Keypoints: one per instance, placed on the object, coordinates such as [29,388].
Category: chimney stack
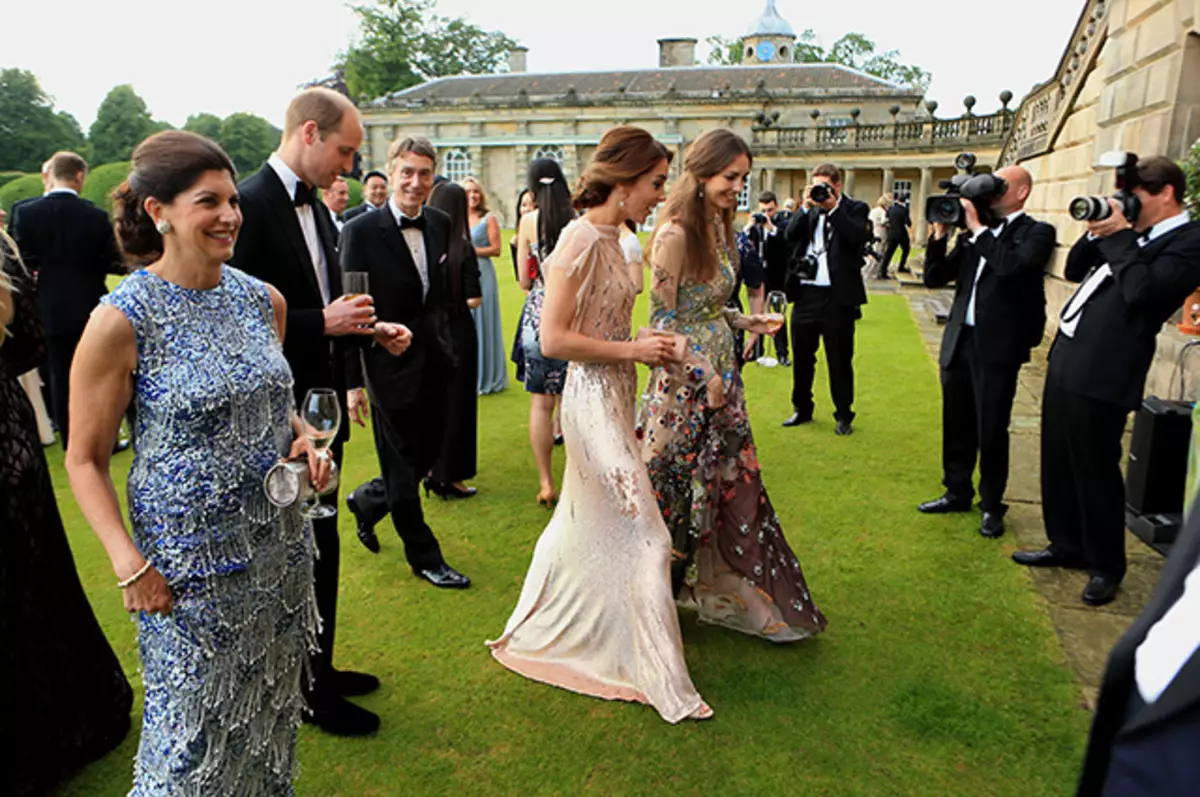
[676,52]
[516,59]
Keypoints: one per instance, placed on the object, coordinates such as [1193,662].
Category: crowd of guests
[238,306]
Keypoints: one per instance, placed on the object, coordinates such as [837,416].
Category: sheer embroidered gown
[596,614]
[741,572]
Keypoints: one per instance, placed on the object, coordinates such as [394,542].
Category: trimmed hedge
[8,177]
[102,181]
[23,187]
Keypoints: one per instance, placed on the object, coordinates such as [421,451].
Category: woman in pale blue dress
[492,375]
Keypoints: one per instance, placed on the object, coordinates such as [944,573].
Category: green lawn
[940,673]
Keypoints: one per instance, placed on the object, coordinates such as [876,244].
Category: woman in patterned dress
[736,568]
[220,579]
[596,615]
[536,239]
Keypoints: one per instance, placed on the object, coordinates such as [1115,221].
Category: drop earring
[163,226]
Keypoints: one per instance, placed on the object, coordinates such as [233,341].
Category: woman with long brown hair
[596,614]
[736,568]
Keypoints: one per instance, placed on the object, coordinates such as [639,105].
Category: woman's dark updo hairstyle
[164,165]
[451,199]
[553,198]
[624,155]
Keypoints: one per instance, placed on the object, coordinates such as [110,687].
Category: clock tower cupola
[770,40]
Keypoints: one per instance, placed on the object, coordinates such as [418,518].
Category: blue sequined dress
[222,672]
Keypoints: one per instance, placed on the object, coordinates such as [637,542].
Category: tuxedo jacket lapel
[285,215]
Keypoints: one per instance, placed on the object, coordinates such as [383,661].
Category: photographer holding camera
[998,316]
[765,232]
[824,283]
[1138,262]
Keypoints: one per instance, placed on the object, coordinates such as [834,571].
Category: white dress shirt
[308,224]
[416,245]
[819,246]
[996,232]
[1073,310]
[70,191]
[336,221]
[1170,643]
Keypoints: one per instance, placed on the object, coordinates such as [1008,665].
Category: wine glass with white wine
[321,416]
[776,310]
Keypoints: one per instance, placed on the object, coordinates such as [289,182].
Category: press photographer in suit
[824,283]
[765,232]
[1138,264]
[998,316]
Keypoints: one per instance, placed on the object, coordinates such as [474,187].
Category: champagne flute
[321,416]
[776,307]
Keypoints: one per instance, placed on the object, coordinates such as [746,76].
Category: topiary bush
[1191,167]
[8,177]
[102,181]
[355,192]
[23,187]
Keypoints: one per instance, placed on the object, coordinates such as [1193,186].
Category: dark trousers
[325,585]
[816,319]
[892,244]
[977,401]
[1083,492]
[408,444]
[60,351]
[1159,761]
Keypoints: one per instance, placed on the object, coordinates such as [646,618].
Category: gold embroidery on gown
[596,614]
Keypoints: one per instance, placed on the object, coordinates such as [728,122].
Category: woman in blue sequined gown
[220,579]
[492,375]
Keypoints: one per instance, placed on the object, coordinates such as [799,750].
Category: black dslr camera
[981,189]
[1095,208]
[820,192]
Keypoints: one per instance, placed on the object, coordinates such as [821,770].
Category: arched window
[457,165]
[552,151]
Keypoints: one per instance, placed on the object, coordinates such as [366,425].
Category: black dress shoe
[558,440]
[1046,558]
[785,362]
[992,525]
[443,576]
[447,491]
[797,420]
[336,715]
[349,683]
[843,429]
[1100,589]
[364,527]
[120,445]
[947,503]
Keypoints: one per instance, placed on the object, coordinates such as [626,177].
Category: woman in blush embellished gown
[736,568]
[596,614]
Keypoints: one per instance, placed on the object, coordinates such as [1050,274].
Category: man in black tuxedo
[1146,731]
[824,284]
[403,249]
[335,198]
[1135,277]
[287,239]
[69,245]
[898,222]
[998,316]
[375,196]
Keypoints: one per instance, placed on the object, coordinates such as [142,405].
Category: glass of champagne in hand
[355,284]
[776,306]
[321,416]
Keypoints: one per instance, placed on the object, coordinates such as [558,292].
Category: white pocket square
[442,260]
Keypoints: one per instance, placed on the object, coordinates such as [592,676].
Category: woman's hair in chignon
[625,153]
[164,165]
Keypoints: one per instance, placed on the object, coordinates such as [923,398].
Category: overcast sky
[223,56]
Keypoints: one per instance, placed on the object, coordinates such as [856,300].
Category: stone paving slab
[1087,634]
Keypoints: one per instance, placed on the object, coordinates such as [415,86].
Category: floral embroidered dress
[596,614]
[740,571]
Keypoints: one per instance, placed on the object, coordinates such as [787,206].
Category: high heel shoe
[547,497]
[704,712]
[447,491]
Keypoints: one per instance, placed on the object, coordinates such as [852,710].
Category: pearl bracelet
[132,579]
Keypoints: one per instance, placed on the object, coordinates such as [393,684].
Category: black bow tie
[418,223]
[304,195]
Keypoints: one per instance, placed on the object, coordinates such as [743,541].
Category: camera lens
[1089,208]
[944,210]
[819,193]
[964,162]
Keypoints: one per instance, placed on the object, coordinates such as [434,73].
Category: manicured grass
[940,673]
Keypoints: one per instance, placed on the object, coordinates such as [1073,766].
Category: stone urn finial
[1005,98]
[969,103]
[931,106]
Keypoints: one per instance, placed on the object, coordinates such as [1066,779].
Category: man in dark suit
[1146,731]
[335,198]
[998,316]
[375,196]
[1135,277]
[287,239]
[69,245]
[898,222]
[824,283]
[403,249]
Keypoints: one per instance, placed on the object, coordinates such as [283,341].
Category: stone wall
[1142,95]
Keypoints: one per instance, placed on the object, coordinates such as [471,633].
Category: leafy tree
[248,139]
[30,129]
[204,124]
[401,43]
[723,51]
[122,121]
